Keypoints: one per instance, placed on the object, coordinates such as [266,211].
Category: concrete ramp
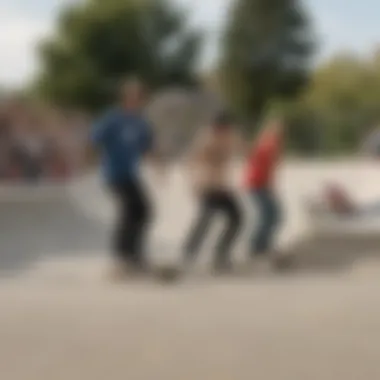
[59,222]
[42,223]
[274,327]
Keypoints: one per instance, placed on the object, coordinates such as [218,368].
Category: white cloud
[19,35]
[18,59]
[22,26]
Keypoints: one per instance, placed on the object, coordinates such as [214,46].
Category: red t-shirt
[263,161]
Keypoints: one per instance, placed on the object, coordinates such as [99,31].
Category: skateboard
[165,274]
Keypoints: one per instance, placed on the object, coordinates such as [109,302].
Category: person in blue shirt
[124,138]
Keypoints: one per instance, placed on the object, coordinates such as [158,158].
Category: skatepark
[60,319]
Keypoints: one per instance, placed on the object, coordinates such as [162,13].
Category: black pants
[211,203]
[133,221]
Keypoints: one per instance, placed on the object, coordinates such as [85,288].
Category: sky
[340,25]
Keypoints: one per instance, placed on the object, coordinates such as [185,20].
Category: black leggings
[211,203]
[133,220]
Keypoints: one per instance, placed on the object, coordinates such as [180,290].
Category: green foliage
[339,107]
[98,43]
[267,48]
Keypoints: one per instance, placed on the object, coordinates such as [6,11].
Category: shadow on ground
[334,253]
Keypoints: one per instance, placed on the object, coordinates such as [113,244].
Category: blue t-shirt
[123,138]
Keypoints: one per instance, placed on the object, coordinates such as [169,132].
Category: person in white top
[210,162]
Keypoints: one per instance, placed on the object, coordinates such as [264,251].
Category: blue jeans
[269,219]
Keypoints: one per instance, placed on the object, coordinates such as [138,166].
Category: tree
[266,54]
[97,43]
[341,103]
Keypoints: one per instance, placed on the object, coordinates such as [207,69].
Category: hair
[223,119]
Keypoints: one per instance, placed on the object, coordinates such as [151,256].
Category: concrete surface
[61,320]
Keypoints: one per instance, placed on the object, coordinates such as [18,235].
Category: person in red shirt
[259,180]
